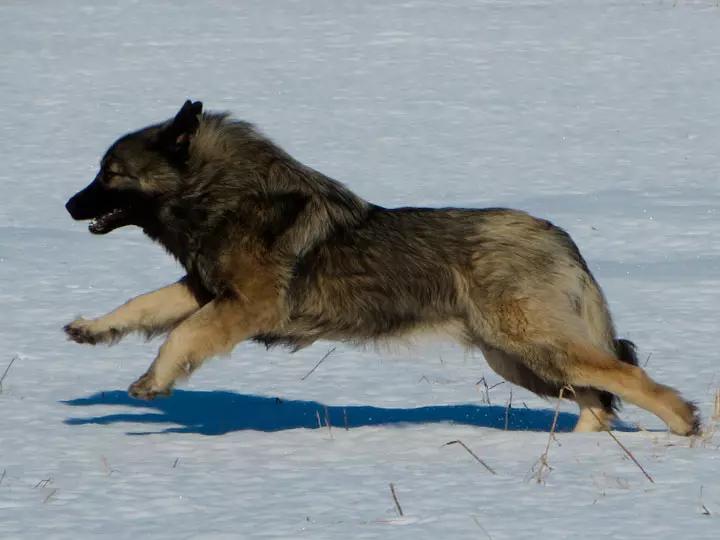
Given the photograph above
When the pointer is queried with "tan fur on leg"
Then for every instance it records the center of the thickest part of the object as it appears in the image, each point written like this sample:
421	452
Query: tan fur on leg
591	367
593	416
214	329
151	313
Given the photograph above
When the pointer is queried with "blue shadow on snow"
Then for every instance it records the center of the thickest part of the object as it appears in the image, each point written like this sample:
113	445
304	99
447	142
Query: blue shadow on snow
219	412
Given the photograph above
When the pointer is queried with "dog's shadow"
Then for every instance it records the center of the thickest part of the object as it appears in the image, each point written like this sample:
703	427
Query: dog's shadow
219	412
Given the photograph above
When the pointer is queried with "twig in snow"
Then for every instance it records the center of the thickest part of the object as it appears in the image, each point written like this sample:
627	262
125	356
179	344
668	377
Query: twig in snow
327	421
397	503
176	462
480	461
106	466
320	362
543	457
4	474
708	430
482	528
486	399
44	482
6	372
50	495
507	410
704	511
628	452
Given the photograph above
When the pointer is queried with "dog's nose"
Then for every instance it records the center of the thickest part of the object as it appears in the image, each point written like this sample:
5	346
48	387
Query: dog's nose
70	206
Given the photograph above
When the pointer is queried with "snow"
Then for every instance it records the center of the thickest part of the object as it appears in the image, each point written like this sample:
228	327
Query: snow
602	116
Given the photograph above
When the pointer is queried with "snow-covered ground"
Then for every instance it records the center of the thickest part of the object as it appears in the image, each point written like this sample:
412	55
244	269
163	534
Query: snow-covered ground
603	116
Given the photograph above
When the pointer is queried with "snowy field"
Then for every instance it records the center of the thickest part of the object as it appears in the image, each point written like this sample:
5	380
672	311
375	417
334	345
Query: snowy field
602	116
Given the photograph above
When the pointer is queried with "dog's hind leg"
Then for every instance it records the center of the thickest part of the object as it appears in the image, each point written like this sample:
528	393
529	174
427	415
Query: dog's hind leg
556	346
595	412
152	313
588	366
591	372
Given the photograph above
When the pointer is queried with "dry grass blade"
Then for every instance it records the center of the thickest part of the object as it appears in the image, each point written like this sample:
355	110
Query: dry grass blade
630	455
397	503
647	360
327	421
482	528
708	431
320	362
507	411
106	466
628	452
6	372
486	398
44	483
704	511
50	495
543	457
480	461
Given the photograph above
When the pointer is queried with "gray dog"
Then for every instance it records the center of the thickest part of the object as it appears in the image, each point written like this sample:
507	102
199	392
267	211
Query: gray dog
279	253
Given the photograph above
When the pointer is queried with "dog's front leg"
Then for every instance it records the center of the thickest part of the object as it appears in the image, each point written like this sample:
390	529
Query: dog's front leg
151	313
214	329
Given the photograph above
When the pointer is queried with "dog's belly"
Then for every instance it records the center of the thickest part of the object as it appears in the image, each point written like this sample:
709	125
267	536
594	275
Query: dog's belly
360	310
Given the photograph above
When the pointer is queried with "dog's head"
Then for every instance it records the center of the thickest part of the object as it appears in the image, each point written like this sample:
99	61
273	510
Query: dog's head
137	173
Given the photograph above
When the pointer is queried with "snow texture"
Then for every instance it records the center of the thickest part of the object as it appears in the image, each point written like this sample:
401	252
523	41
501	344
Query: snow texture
602	116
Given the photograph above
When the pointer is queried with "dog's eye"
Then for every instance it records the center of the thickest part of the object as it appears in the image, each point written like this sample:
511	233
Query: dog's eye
112	168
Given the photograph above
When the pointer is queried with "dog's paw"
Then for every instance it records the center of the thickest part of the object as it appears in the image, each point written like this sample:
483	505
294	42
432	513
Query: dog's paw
87	331
146	389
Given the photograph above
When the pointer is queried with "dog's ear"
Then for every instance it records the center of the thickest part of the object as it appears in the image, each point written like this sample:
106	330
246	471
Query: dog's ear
175	138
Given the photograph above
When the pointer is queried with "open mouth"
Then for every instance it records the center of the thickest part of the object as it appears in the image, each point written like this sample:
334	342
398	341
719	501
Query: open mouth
110	221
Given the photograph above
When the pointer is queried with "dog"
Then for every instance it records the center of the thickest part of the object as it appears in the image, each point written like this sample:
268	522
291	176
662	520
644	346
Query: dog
281	254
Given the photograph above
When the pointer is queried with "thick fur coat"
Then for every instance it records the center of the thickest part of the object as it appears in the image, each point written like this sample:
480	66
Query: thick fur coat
279	253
